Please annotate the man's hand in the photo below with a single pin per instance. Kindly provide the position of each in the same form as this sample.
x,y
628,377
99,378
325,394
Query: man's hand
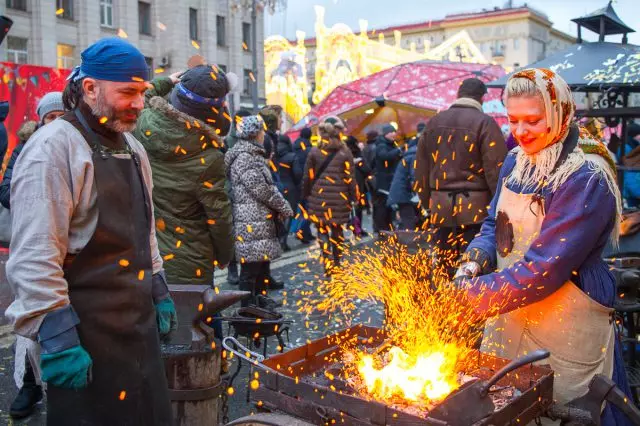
x,y
176,77
68,369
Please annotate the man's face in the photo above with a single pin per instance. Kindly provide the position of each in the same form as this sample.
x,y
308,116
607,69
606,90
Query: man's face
x,y
52,116
120,103
391,136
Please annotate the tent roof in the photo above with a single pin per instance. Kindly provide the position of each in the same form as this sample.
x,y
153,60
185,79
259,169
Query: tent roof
x,y
588,66
612,23
416,90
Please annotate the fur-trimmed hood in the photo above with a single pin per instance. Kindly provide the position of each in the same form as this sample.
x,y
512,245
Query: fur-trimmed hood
x,y
164,131
26,130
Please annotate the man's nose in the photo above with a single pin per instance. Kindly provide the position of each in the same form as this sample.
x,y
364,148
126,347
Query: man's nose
x,y
138,102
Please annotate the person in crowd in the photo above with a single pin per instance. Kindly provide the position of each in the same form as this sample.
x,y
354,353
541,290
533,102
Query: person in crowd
x,y
232,269
457,165
27,354
4,139
84,263
538,258
272,116
402,191
301,149
284,160
369,150
362,174
257,205
183,136
329,185
231,137
49,108
631,191
388,156
511,142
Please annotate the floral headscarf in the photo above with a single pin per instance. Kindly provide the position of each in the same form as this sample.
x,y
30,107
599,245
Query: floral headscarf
x,y
558,101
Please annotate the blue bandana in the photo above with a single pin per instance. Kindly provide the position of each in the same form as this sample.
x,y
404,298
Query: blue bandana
x,y
112,59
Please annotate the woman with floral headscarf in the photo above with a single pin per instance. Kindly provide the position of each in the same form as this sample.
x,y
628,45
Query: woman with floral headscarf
x,y
537,261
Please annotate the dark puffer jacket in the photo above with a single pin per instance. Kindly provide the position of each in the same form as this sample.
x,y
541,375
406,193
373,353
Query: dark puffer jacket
x,y
301,149
402,186
256,203
388,156
458,164
25,132
284,160
331,196
191,205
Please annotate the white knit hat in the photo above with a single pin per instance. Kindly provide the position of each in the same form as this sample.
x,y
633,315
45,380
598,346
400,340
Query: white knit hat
x,y
50,102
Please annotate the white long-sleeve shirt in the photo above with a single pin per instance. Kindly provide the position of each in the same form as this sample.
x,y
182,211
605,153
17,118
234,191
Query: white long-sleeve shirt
x,y
54,213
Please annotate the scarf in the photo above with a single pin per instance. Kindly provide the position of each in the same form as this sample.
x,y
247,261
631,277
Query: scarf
x,y
539,170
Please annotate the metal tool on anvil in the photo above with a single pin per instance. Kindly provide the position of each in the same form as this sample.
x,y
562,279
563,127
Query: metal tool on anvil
x,y
586,410
196,305
471,402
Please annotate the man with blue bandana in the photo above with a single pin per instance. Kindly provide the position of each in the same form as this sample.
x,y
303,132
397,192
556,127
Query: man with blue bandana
x,y
84,264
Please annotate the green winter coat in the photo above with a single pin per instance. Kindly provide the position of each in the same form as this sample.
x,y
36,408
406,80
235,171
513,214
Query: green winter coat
x,y
192,210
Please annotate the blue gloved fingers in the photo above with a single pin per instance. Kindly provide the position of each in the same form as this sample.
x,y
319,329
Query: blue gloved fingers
x,y
69,369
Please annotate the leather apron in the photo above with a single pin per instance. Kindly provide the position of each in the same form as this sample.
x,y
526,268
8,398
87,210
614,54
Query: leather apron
x,y
114,303
576,329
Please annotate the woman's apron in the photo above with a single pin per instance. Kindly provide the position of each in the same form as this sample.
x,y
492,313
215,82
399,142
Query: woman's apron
x,y
115,305
576,329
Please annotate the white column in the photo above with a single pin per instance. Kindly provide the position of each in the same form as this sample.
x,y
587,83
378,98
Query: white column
x,y
43,29
88,17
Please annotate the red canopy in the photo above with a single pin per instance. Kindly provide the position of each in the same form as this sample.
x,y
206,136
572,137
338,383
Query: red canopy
x,y
405,94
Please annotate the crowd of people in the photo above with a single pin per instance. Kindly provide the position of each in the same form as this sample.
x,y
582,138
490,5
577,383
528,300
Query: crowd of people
x,y
127,184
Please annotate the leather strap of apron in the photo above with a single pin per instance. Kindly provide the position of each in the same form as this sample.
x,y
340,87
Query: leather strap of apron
x,y
97,147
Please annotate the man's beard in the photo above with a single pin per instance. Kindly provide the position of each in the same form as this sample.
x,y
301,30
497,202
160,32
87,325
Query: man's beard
x,y
114,118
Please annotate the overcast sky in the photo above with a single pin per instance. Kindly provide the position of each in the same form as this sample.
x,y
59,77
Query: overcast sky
x,y
300,14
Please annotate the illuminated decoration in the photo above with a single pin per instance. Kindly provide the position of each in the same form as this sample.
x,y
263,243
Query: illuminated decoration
x,y
340,57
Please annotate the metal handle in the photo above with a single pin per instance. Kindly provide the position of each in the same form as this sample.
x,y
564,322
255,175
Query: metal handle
x,y
249,356
534,356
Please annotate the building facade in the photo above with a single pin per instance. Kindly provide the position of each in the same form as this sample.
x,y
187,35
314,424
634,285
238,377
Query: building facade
x,y
512,36
168,32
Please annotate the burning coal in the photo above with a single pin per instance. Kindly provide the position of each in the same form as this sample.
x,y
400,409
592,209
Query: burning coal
x,y
431,326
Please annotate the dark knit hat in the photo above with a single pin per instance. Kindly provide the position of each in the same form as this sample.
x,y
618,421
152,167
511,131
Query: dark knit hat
x,y
201,93
472,88
372,135
305,133
387,128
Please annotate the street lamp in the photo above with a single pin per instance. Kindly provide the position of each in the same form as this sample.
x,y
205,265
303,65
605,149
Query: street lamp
x,y
255,6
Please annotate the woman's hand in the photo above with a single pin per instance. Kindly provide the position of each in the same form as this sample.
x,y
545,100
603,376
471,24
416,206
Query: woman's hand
x,y
468,269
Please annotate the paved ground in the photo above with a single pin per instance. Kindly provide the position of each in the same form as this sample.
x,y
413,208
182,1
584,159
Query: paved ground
x,y
298,269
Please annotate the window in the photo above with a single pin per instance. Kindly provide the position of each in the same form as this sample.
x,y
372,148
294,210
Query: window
x,y
193,24
223,68
106,13
248,82
66,56
144,18
149,62
516,43
17,50
221,31
246,36
64,9
17,4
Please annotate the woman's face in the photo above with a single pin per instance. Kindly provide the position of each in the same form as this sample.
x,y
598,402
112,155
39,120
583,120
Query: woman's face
x,y
528,122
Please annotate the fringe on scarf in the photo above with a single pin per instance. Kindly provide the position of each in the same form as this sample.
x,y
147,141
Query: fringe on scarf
x,y
534,171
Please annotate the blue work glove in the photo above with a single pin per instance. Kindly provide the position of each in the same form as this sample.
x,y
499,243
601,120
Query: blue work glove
x,y
64,363
166,316
69,369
